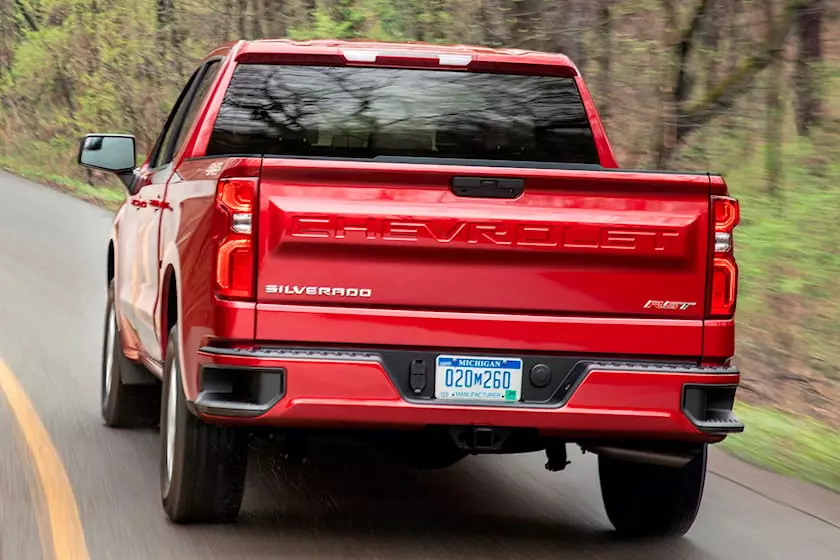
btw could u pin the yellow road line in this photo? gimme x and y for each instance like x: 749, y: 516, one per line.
x: 68, y: 537
x: 36, y: 493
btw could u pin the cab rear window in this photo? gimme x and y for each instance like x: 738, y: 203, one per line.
x: 369, y: 113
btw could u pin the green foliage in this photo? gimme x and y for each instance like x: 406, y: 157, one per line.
x: 787, y: 250
x: 789, y: 444
x: 381, y: 20
x: 389, y: 19
x: 343, y: 21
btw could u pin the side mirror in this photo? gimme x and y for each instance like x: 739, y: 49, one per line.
x: 110, y: 152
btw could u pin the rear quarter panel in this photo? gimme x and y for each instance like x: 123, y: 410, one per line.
x: 189, y: 258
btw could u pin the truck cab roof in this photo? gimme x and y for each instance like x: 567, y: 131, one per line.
x: 458, y: 55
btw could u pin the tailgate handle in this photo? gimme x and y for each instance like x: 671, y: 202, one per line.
x: 487, y: 187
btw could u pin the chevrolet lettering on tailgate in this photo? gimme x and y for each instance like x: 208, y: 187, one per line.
x: 664, y: 241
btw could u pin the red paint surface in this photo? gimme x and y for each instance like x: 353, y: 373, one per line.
x: 360, y: 395
x: 575, y: 243
x: 435, y: 329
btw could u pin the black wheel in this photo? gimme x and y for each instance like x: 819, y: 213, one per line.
x: 123, y: 405
x: 645, y: 500
x: 202, y: 466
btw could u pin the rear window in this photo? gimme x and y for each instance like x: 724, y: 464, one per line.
x: 338, y: 112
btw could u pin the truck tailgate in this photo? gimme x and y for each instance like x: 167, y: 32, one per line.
x: 395, y: 235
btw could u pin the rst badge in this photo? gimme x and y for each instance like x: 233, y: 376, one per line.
x: 666, y: 305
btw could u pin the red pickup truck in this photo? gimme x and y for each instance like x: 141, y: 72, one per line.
x: 428, y: 247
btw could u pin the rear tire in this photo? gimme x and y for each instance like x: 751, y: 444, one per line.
x: 124, y: 406
x: 644, y: 500
x: 202, y: 466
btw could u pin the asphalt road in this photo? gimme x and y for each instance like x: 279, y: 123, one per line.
x: 350, y: 503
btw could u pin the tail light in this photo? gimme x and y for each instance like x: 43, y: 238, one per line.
x: 724, y: 282
x: 235, y: 253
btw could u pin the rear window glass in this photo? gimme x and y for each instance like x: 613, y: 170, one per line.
x: 337, y: 112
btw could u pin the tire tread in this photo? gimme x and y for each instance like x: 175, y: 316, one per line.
x: 128, y: 406
x: 645, y: 500
x: 213, y: 462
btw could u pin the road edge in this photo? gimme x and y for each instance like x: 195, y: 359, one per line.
x: 803, y: 496
x: 62, y: 188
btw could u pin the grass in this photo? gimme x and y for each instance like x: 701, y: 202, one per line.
x: 791, y: 445
x: 105, y: 196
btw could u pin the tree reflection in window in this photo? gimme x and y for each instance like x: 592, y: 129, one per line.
x: 279, y: 110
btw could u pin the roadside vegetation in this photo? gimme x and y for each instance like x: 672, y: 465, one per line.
x: 748, y: 88
x: 793, y: 445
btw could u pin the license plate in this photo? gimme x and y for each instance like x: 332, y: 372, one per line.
x: 478, y: 378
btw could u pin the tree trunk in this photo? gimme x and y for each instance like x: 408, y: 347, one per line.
x: 526, y: 30
x: 736, y: 34
x: 718, y: 13
x: 7, y: 33
x: 679, y: 41
x: 165, y: 18
x: 571, y: 40
x: 257, y: 20
x: 494, y: 23
x: 169, y: 35
x: 773, y: 133
x: 711, y: 41
x: 433, y: 27
x: 604, y: 58
x: 275, y: 16
x: 243, y: 19
x: 66, y: 87
x: 309, y: 7
x: 177, y: 39
x: 809, y: 33
x: 231, y: 21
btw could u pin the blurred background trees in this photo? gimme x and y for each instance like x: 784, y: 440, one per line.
x: 747, y: 88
